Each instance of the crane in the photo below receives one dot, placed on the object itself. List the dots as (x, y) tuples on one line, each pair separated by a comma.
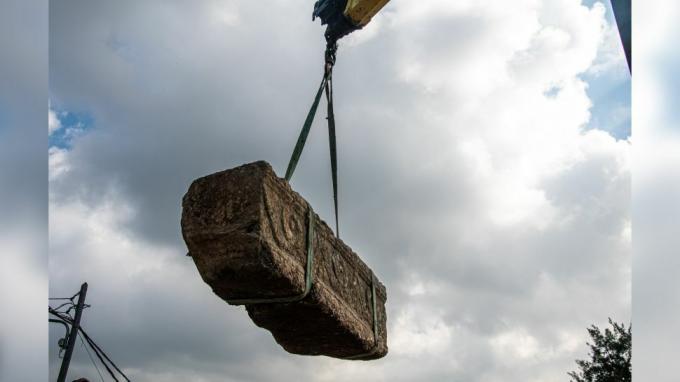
[(345, 16)]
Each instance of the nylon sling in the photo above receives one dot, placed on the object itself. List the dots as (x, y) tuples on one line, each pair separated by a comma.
[(327, 86)]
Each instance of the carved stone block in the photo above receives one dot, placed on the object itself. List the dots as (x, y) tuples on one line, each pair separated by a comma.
[(246, 231)]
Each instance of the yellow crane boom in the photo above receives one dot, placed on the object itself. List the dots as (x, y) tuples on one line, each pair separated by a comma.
[(345, 16), (360, 12)]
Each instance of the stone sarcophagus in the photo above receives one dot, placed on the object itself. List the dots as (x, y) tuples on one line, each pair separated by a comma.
[(257, 243)]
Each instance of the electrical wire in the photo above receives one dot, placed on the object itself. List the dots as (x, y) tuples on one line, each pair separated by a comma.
[(64, 304), (64, 298), (90, 356), (97, 350), (108, 369), (62, 315)]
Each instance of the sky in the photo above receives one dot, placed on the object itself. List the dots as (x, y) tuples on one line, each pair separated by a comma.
[(484, 167), (23, 190), (656, 186)]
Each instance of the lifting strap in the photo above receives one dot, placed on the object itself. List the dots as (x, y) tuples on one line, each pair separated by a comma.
[(374, 349), (309, 281), (333, 149), (327, 85), (309, 273)]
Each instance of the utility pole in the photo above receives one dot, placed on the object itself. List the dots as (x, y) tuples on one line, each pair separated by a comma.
[(73, 334)]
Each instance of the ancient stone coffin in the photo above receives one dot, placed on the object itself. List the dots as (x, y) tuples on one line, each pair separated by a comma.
[(246, 231)]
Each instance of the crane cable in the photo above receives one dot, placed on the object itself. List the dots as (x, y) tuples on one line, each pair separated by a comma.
[(327, 86)]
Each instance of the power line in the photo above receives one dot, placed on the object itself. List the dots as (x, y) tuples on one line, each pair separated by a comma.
[(70, 303), (65, 298), (90, 356), (108, 369), (98, 351), (64, 317)]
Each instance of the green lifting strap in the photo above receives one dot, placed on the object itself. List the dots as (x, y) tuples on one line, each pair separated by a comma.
[(302, 139), (333, 148), (327, 84), (309, 273), (375, 325)]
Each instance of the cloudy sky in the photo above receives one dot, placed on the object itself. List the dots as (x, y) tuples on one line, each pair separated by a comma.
[(484, 153), (23, 190), (656, 186)]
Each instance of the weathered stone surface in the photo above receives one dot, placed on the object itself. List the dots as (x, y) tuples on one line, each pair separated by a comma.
[(246, 232)]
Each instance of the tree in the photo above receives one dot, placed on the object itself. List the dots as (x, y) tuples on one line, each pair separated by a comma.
[(610, 356)]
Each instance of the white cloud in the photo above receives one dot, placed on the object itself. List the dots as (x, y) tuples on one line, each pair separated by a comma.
[(418, 333), (58, 162), (53, 122), (515, 345), (225, 12), (610, 52)]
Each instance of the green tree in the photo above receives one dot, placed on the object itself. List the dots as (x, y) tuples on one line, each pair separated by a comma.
[(610, 355)]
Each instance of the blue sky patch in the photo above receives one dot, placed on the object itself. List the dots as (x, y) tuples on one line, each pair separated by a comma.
[(610, 92), (611, 97), (73, 125)]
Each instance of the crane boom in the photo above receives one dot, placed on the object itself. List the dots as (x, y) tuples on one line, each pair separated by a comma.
[(345, 16)]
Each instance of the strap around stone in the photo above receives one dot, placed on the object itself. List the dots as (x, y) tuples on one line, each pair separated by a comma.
[(309, 274)]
